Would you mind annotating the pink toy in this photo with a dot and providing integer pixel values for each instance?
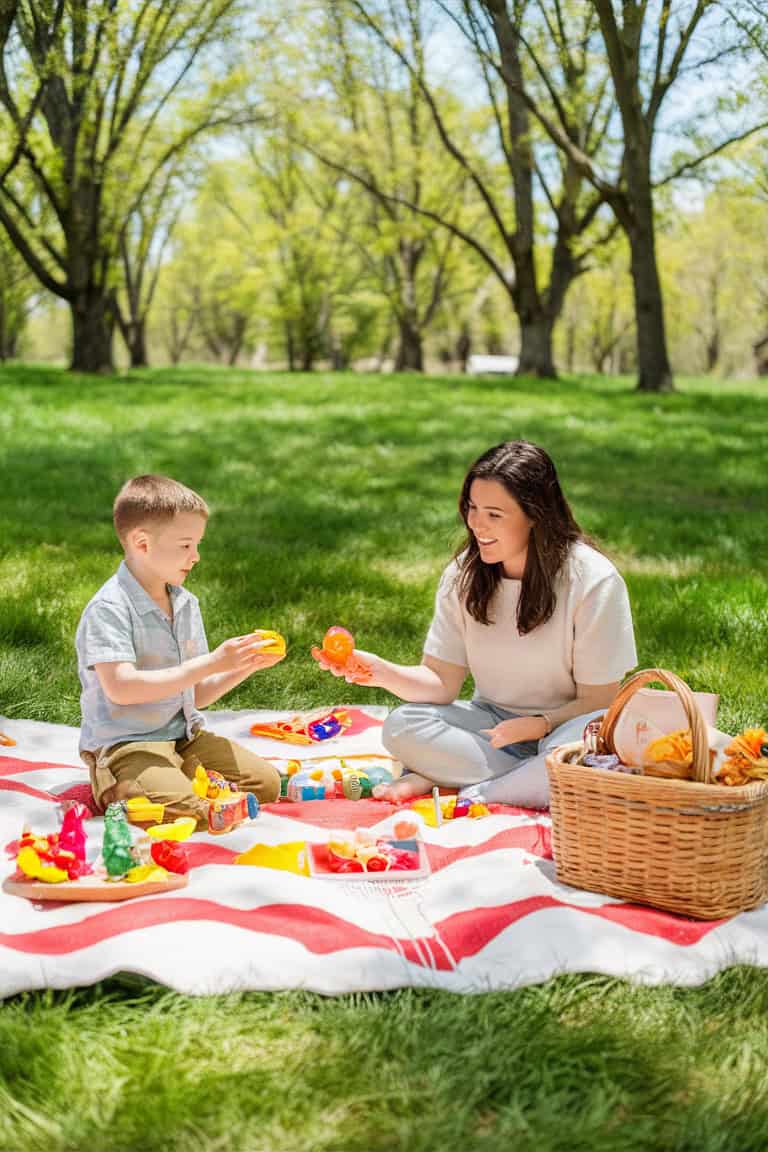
(72, 834)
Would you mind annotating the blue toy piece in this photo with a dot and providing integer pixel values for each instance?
(253, 805)
(377, 774)
(325, 729)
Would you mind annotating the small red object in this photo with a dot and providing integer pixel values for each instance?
(171, 855)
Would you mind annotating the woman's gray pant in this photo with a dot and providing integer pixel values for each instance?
(444, 743)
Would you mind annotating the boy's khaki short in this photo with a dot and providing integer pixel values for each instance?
(163, 771)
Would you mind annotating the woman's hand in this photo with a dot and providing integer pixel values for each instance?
(516, 730)
(359, 660)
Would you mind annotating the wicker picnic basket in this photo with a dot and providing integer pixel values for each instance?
(687, 846)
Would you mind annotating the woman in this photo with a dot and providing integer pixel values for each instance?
(535, 614)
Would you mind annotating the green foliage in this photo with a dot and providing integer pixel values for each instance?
(333, 499)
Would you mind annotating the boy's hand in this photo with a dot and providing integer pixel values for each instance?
(363, 659)
(244, 654)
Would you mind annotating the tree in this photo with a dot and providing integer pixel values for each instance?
(143, 242)
(89, 87)
(17, 297)
(499, 41)
(646, 56)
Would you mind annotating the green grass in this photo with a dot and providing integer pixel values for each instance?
(334, 500)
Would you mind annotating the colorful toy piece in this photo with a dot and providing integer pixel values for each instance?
(146, 873)
(289, 857)
(56, 857)
(117, 847)
(72, 834)
(7, 741)
(338, 651)
(170, 855)
(181, 829)
(305, 728)
(366, 853)
(228, 806)
(345, 782)
(142, 810)
(275, 645)
(447, 808)
(224, 815)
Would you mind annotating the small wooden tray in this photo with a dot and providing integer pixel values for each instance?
(92, 888)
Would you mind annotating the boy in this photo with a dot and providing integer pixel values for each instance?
(145, 668)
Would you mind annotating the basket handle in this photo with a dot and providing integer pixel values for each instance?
(699, 737)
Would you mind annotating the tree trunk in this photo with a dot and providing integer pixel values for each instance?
(536, 348)
(137, 343)
(654, 372)
(535, 323)
(464, 346)
(92, 328)
(760, 349)
(339, 355)
(410, 349)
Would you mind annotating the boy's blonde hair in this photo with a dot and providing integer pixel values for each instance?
(153, 500)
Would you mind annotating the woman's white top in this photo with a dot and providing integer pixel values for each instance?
(589, 638)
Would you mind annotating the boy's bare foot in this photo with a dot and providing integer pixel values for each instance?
(405, 788)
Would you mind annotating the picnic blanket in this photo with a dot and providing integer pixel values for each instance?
(491, 914)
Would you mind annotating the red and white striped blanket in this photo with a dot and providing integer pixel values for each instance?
(491, 915)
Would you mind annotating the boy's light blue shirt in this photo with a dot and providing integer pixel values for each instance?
(122, 622)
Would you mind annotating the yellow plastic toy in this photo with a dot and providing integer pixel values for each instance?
(31, 865)
(211, 785)
(145, 872)
(425, 806)
(181, 829)
(276, 645)
(142, 810)
(285, 857)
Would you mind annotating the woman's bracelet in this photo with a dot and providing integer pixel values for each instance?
(548, 721)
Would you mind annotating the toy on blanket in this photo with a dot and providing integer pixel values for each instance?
(344, 782)
(181, 829)
(57, 856)
(117, 849)
(364, 851)
(306, 728)
(228, 806)
(43, 858)
(447, 808)
(746, 759)
(169, 855)
(151, 859)
(141, 810)
(338, 651)
(290, 857)
(7, 741)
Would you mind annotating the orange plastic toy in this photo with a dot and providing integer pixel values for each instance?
(338, 651)
(6, 741)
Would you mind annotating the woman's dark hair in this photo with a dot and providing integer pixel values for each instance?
(529, 476)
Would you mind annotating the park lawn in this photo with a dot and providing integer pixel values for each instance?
(334, 500)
